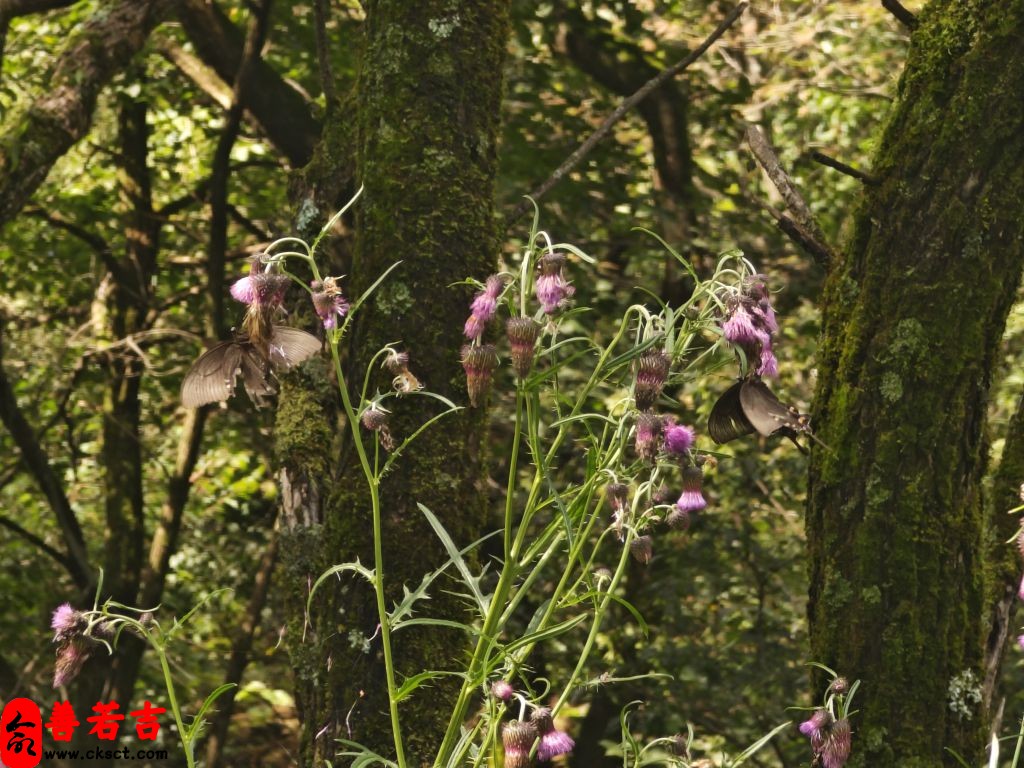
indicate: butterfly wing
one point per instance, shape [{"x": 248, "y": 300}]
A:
[
  {"x": 766, "y": 412},
  {"x": 211, "y": 378},
  {"x": 727, "y": 420},
  {"x": 289, "y": 346}
]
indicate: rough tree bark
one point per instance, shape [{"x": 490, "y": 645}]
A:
[
  {"x": 428, "y": 99},
  {"x": 912, "y": 321}
]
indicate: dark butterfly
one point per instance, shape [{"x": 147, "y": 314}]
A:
[
  {"x": 749, "y": 406},
  {"x": 212, "y": 378}
]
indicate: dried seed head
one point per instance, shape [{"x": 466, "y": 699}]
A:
[
  {"x": 642, "y": 549},
  {"x": 522, "y": 336},
  {"x": 479, "y": 362}
]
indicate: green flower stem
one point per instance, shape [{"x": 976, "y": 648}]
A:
[
  {"x": 378, "y": 557},
  {"x": 599, "y": 614},
  {"x": 510, "y": 567},
  {"x": 186, "y": 740},
  {"x": 512, "y": 465}
]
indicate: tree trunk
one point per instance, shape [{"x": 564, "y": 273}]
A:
[
  {"x": 428, "y": 103},
  {"x": 913, "y": 319}
]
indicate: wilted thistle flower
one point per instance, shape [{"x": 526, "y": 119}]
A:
[
  {"x": 66, "y": 623},
  {"x": 396, "y": 362},
  {"x": 768, "y": 365},
  {"x": 679, "y": 439},
  {"x": 552, "y": 741},
  {"x": 375, "y": 419},
  {"x": 836, "y": 748},
  {"x": 522, "y": 336},
  {"x": 517, "y": 737},
  {"x": 502, "y": 690},
  {"x": 648, "y": 435},
  {"x": 479, "y": 361},
  {"x": 692, "y": 498},
  {"x": 552, "y": 289},
  {"x": 618, "y": 495},
  {"x": 642, "y": 549},
  {"x": 739, "y": 325},
  {"x": 652, "y": 369},
  {"x": 71, "y": 655},
  {"x": 328, "y": 301}
]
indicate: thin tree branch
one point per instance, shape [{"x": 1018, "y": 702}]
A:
[
  {"x": 323, "y": 53},
  {"x": 831, "y": 162},
  {"x": 41, "y": 132},
  {"x": 36, "y": 541},
  {"x": 627, "y": 104},
  {"x": 46, "y": 478},
  {"x": 98, "y": 245},
  {"x": 801, "y": 227},
  {"x": 905, "y": 17}
]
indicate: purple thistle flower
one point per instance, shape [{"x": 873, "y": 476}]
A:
[
  {"x": 692, "y": 498},
  {"x": 260, "y": 288},
  {"x": 642, "y": 549},
  {"x": 71, "y": 656},
  {"x": 739, "y": 327},
  {"x": 1020, "y": 589},
  {"x": 479, "y": 362},
  {"x": 552, "y": 289},
  {"x": 552, "y": 741},
  {"x": 815, "y": 728},
  {"x": 328, "y": 301},
  {"x": 1020, "y": 641},
  {"x": 522, "y": 336},
  {"x": 679, "y": 439},
  {"x": 766, "y": 314},
  {"x": 769, "y": 366},
  {"x": 242, "y": 290},
  {"x": 517, "y": 737},
  {"x": 648, "y": 434},
  {"x": 474, "y": 327},
  {"x": 486, "y": 302},
  {"x": 652, "y": 370},
  {"x": 502, "y": 690},
  {"x": 66, "y": 622}
]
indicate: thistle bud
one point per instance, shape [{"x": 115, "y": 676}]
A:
[
  {"x": 517, "y": 737},
  {"x": 679, "y": 519},
  {"x": 328, "y": 302},
  {"x": 502, "y": 690},
  {"x": 479, "y": 361},
  {"x": 839, "y": 686},
  {"x": 692, "y": 497},
  {"x": 642, "y": 549},
  {"x": 522, "y": 336},
  {"x": 648, "y": 434},
  {"x": 553, "y": 742},
  {"x": 651, "y": 373}
]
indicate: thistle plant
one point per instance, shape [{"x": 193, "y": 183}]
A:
[
  {"x": 79, "y": 634},
  {"x": 570, "y": 530}
]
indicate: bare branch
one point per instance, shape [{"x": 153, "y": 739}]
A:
[
  {"x": 37, "y": 542},
  {"x": 323, "y": 53},
  {"x": 802, "y": 227},
  {"x": 905, "y": 17},
  {"x": 46, "y": 478},
  {"x": 831, "y": 162},
  {"x": 627, "y": 104},
  {"x": 43, "y": 131}
]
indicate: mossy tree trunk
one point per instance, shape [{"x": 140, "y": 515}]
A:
[
  {"x": 913, "y": 319},
  {"x": 428, "y": 101}
]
